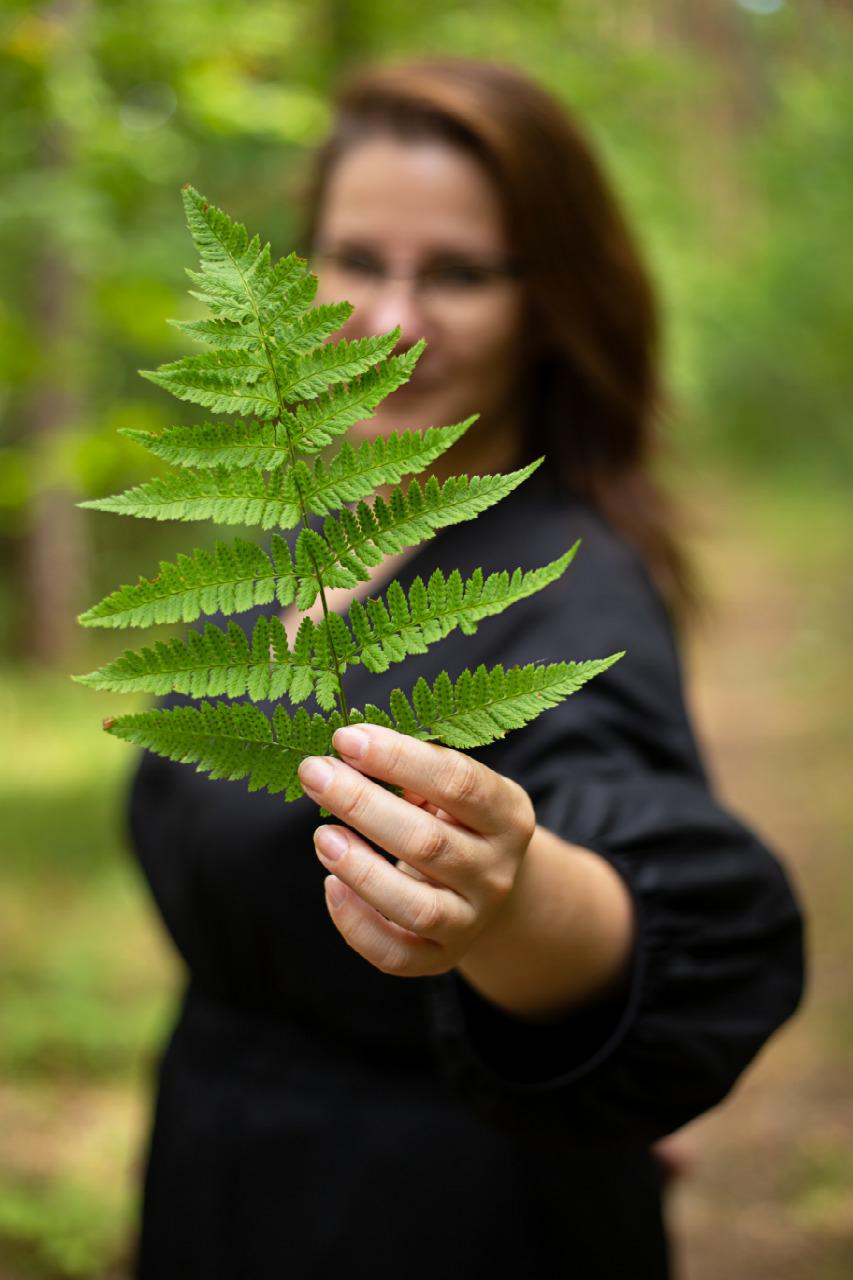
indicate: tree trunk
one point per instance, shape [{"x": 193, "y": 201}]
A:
[{"x": 53, "y": 558}]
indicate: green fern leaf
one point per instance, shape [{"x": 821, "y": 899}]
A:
[
  {"x": 406, "y": 626},
  {"x": 349, "y": 475},
  {"x": 303, "y": 335},
  {"x": 270, "y": 362},
  {"x": 226, "y": 334},
  {"x": 336, "y": 362},
  {"x": 241, "y": 496},
  {"x": 264, "y": 445},
  {"x": 335, "y": 410},
  {"x": 230, "y": 579},
  {"x": 237, "y": 278},
  {"x": 206, "y": 664},
  {"x": 487, "y": 705},
  {"x": 236, "y": 740},
  {"x": 216, "y": 661},
  {"x": 225, "y": 381},
  {"x": 230, "y": 740},
  {"x": 353, "y": 473},
  {"x": 357, "y": 540}
]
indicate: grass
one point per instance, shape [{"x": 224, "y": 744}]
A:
[{"x": 86, "y": 977}]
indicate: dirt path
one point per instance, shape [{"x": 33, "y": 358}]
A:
[{"x": 770, "y": 1196}]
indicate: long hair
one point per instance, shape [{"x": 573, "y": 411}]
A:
[{"x": 594, "y": 399}]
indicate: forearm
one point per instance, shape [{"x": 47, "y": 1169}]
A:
[{"x": 563, "y": 937}]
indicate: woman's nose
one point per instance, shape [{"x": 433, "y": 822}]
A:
[{"x": 396, "y": 302}]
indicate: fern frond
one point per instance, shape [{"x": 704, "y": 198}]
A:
[
  {"x": 388, "y": 631},
  {"x": 225, "y": 381},
  {"x": 217, "y": 444},
  {"x": 236, "y": 740},
  {"x": 229, "y": 497},
  {"x": 230, "y": 579},
  {"x": 303, "y": 335},
  {"x": 270, "y": 362},
  {"x": 233, "y": 740},
  {"x": 238, "y": 280},
  {"x": 330, "y": 364},
  {"x": 341, "y": 556},
  {"x": 485, "y": 705},
  {"x": 265, "y": 446},
  {"x": 334, "y": 411},
  {"x": 209, "y": 663},
  {"x": 216, "y": 661}
]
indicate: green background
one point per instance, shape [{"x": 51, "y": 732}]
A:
[{"x": 727, "y": 129}]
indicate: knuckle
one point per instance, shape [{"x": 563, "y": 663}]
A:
[
  {"x": 430, "y": 915},
  {"x": 499, "y": 881},
  {"x": 364, "y": 878},
  {"x": 435, "y": 842},
  {"x": 460, "y": 780},
  {"x": 359, "y": 800},
  {"x": 393, "y": 756}
]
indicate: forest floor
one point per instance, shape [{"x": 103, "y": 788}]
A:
[
  {"x": 86, "y": 979},
  {"x": 769, "y": 1195}
]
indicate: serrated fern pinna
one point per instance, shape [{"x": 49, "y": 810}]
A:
[{"x": 270, "y": 359}]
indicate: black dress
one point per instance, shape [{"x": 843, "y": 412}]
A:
[{"x": 318, "y": 1118}]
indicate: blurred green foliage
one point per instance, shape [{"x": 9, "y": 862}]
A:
[
  {"x": 728, "y": 141},
  {"x": 86, "y": 984}
]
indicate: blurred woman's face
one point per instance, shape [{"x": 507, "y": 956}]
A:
[{"x": 411, "y": 233}]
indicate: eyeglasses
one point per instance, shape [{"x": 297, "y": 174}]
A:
[{"x": 451, "y": 286}]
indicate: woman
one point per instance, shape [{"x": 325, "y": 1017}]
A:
[{"x": 595, "y": 948}]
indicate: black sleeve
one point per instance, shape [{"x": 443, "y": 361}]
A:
[{"x": 718, "y": 962}]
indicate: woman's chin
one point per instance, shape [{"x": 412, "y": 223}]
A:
[
  {"x": 412, "y": 412},
  {"x": 410, "y": 408}
]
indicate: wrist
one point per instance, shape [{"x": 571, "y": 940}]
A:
[{"x": 563, "y": 938}]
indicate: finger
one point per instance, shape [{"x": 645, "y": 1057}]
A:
[
  {"x": 417, "y": 905},
  {"x": 480, "y": 799},
  {"x": 387, "y": 946},
  {"x": 448, "y": 854},
  {"x": 421, "y": 803}
]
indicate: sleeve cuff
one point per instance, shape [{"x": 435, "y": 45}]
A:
[{"x": 499, "y": 1060}]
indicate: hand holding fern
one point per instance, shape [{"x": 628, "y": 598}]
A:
[{"x": 459, "y": 832}]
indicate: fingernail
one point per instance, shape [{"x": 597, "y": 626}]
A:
[
  {"x": 335, "y": 891},
  {"x": 350, "y": 742},
  {"x": 330, "y": 842},
  {"x": 315, "y": 773}
]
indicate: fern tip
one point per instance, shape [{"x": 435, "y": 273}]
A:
[{"x": 91, "y": 679}]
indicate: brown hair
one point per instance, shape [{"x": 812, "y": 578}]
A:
[{"x": 594, "y": 396}]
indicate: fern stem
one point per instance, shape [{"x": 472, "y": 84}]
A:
[{"x": 282, "y": 411}]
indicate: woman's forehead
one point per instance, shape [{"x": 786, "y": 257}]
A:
[{"x": 424, "y": 196}]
